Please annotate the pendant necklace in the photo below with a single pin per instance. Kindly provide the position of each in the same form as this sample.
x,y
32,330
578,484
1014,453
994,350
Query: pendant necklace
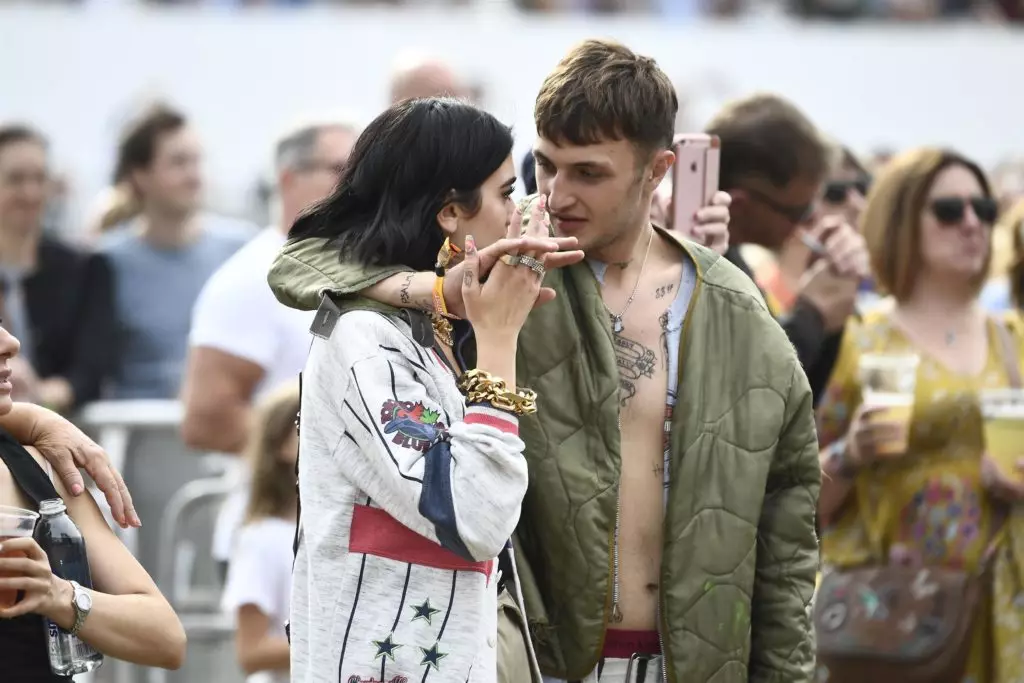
x,y
617,325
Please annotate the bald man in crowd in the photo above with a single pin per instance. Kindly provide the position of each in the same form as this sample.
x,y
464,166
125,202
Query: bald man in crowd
x,y
416,76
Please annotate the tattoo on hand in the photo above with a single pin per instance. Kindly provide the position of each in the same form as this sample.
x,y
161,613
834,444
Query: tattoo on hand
x,y
635,362
658,470
662,292
403,293
467,278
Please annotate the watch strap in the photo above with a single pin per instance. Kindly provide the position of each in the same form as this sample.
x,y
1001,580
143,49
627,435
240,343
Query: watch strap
x,y
80,614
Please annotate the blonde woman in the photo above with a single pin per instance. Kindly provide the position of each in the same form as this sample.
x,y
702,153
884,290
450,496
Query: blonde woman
x,y
258,589
928,225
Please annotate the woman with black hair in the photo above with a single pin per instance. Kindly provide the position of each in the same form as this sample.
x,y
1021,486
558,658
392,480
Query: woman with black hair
x,y
411,471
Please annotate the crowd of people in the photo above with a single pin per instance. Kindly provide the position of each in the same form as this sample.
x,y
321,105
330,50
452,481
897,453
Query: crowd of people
x,y
989,11
564,440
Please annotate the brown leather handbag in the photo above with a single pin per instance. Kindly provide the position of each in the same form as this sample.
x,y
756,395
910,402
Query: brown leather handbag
x,y
896,624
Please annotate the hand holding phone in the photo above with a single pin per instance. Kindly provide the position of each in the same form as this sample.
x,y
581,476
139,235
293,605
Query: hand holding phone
x,y
694,177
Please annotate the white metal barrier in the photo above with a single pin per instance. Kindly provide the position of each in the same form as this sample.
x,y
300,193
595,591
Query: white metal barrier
x,y
177,493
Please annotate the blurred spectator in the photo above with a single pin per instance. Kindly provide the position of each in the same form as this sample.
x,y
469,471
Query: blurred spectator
x,y
56,299
773,164
55,213
843,196
1002,292
843,193
1016,273
115,206
164,254
846,186
916,488
1008,182
243,342
417,75
258,588
833,9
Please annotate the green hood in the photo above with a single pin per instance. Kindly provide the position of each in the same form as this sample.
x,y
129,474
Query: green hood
x,y
305,270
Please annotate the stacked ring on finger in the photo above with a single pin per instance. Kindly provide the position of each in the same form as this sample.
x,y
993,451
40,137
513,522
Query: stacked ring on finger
x,y
511,259
533,264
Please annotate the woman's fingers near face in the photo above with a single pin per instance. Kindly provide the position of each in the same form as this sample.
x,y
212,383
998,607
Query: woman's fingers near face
x,y
515,226
537,222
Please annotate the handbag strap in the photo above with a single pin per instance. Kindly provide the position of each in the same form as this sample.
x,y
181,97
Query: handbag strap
x,y
1011,364
1008,349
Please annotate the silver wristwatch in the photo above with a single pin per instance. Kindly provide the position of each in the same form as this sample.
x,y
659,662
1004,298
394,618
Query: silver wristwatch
x,y
81,601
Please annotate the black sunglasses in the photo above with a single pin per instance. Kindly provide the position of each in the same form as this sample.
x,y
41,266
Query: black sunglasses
x,y
837,191
951,210
795,214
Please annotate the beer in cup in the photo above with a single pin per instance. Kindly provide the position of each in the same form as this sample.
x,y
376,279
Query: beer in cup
x,y
14,523
888,382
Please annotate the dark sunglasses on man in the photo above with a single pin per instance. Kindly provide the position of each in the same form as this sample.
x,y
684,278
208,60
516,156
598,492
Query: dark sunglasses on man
x,y
795,214
837,191
952,210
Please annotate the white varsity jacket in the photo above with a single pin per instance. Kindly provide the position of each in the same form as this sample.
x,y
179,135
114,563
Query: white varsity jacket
x,y
407,497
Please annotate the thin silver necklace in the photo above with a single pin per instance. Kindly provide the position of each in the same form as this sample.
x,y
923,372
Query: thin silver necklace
x,y
617,325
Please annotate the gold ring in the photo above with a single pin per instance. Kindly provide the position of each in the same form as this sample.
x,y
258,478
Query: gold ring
x,y
511,259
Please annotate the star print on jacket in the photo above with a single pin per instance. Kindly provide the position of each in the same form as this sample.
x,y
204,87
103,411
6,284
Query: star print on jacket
x,y
424,611
432,658
386,648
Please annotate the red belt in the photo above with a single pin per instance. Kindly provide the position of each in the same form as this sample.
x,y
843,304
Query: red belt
x,y
375,532
619,644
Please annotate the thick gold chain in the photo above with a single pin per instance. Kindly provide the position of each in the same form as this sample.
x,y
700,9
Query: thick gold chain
x,y
482,387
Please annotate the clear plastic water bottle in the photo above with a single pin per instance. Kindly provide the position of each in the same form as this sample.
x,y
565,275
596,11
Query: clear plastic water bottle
x,y
64,545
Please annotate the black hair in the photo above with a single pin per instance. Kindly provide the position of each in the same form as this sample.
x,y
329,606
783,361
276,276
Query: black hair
x,y
14,133
139,140
406,165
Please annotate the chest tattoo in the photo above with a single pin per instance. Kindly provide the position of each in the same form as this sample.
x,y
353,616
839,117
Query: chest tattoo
x,y
635,362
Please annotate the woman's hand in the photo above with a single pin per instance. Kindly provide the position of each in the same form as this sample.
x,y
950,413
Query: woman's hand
x,y
999,486
497,308
868,436
25,567
557,252
67,448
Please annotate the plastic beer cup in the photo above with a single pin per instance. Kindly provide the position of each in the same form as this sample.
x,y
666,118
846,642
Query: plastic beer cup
x,y
888,382
14,523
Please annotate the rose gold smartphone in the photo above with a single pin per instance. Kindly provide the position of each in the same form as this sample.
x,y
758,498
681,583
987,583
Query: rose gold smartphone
x,y
694,177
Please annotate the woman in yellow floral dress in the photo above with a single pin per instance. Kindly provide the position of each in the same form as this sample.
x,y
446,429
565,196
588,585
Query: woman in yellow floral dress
x,y
928,226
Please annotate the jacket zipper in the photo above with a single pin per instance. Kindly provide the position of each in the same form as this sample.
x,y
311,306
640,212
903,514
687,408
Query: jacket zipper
x,y
616,616
661,646
616,613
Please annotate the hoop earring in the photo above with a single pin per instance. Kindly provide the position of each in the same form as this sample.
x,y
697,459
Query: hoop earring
x,y
444,257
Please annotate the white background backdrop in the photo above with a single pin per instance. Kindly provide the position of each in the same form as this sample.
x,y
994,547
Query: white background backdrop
x,y
242,76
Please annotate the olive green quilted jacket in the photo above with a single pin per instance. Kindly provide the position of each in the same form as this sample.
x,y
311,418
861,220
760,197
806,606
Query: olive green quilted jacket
x,y
740,550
